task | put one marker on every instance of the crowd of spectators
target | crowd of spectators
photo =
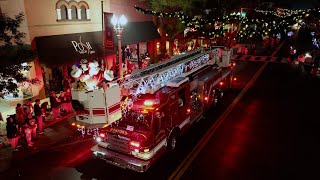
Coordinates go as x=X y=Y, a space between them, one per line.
x=27 y=123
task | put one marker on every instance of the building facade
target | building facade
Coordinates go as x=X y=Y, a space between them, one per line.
x=67 y=31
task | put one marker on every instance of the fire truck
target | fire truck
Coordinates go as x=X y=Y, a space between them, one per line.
x=147 y=112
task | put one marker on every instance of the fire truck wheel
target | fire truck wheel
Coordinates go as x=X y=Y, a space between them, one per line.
x=172 y=142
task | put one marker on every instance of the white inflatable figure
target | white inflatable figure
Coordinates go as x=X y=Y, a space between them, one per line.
x=84 y=66
x=85 y=77
x=93 y=78
x=90 y=74
x=76 y=72
x=108 y=75
x=94 y=68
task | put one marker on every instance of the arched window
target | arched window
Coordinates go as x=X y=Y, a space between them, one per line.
x=73 y=12
x=64 y=12
x=83 y=12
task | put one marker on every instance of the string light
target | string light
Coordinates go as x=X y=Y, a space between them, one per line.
x=277 y=21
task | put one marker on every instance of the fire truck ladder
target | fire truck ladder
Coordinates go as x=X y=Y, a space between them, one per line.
x=154 y=77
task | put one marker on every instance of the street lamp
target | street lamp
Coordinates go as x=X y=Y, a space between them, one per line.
x=118 y=25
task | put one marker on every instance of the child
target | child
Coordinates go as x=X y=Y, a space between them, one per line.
x=44 y=109
x=12 y=133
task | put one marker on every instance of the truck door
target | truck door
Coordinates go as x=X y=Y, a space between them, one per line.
x=196 y=102
x=162 y=125
x=172 y=112
x=183 y=104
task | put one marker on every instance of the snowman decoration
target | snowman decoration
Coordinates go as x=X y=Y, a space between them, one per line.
x=90 y=74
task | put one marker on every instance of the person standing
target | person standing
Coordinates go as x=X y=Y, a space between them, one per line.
x=12 y=133
x=55 y=104
x=253 y=48
x=66 y=83
x=29 y=106
x=20 y=116
x=44 y=108
x=38 y=114
x=30 y=129
x=68 y=96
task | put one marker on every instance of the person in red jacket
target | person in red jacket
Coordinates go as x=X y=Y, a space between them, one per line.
x=20 y=115
x=12 y=133
x=38 y=114
x=68 y=96
x=55 y=105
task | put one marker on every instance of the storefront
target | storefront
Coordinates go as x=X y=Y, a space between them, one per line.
x=58 y=53
x=140 y=40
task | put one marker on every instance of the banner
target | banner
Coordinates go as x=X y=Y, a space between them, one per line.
x=108 y=31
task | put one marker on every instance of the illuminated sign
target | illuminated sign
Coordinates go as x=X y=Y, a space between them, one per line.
x=82 y=48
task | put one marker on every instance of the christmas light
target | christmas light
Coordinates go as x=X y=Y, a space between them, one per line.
x=277 y=20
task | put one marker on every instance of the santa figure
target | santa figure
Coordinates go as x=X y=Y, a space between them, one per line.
x=91 y=74
x=95 y=74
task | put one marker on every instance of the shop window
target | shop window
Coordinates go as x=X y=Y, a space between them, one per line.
x=73 y=12
x=83 y=12
x=64 y=12
x=143 y=48
x=158 y=48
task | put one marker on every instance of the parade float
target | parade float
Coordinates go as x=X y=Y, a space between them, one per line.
x=94 y=90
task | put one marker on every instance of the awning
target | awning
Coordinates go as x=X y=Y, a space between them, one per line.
x=136 y=32
x=69 y=48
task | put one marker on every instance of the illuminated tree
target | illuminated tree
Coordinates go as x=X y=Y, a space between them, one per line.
x=13 y=55
x=171 y=26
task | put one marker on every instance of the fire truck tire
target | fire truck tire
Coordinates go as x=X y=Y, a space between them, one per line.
x=172 y=141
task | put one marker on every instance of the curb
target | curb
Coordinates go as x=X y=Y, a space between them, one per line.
x=55 y=121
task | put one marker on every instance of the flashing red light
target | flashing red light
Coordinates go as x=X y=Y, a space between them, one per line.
x=73 y=124
x=148 y=103
x=234 y=79
x=206 y=98
x=135 y=144
x=221 y=83
x=102 y=135
x=188 y=111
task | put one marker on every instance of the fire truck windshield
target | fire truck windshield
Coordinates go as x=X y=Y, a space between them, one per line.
x=136 y=120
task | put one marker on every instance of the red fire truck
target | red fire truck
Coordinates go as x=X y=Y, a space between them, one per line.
x=159 y=105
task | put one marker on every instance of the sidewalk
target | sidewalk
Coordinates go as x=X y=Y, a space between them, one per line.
x=56 y=131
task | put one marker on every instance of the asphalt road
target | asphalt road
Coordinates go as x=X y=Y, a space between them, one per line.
x=273 y=133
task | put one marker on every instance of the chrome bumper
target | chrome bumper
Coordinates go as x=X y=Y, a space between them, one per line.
x=120 y=160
